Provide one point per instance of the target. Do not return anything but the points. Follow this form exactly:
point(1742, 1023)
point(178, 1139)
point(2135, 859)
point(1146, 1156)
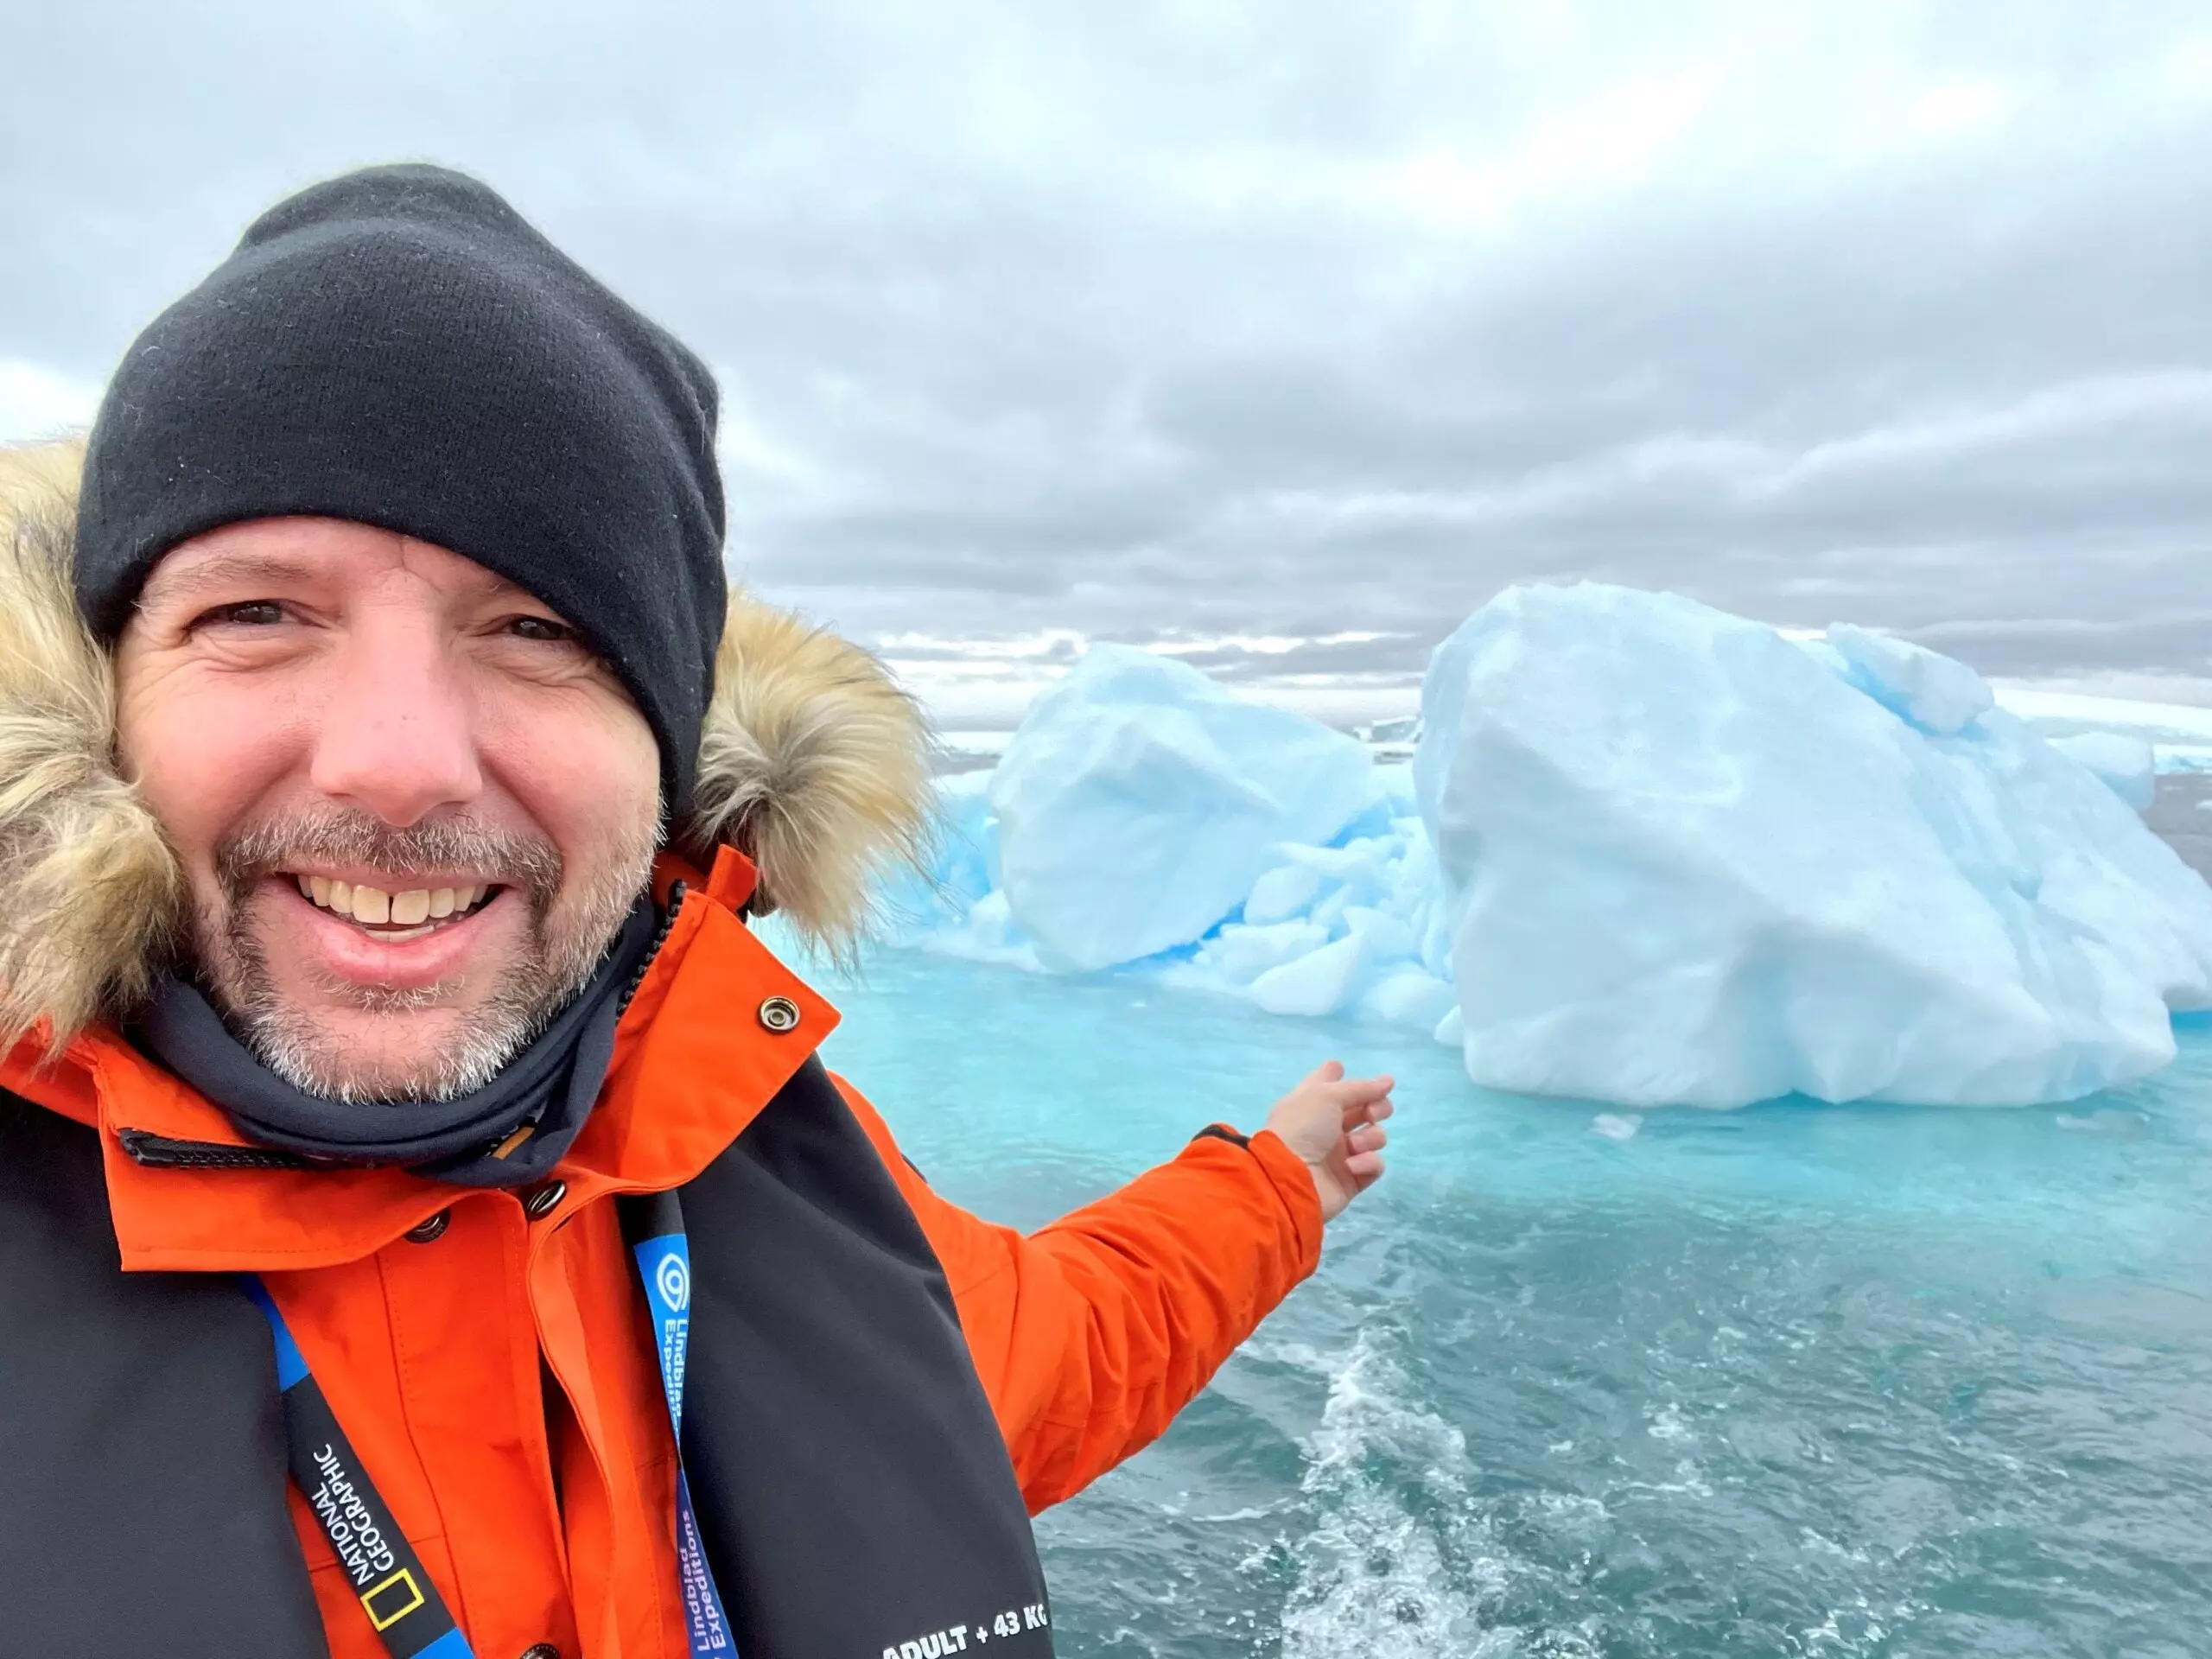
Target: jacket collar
point(695, 1062)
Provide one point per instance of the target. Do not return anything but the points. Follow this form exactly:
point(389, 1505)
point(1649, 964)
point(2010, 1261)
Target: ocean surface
point(1798, 1380)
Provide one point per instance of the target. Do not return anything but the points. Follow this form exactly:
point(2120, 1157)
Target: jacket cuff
point(1293, 1183)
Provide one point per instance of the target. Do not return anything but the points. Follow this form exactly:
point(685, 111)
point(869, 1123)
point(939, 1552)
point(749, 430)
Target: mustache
point(246, 856)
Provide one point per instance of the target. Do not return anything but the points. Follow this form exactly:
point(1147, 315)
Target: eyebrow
point(168, 583)
point(224, 570)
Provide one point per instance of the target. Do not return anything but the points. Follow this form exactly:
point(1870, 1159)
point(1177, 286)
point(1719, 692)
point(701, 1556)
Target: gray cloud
point(1160, 321)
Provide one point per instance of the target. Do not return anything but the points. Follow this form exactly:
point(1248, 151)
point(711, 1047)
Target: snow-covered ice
point(1647, 854)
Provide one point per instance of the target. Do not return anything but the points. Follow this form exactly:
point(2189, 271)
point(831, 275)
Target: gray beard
point(568, 935)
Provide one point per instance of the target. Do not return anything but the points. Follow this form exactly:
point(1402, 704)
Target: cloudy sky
point(1282, 334)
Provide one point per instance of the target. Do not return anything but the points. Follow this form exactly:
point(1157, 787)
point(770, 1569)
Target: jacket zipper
point(160, 1152)
point(676, 894)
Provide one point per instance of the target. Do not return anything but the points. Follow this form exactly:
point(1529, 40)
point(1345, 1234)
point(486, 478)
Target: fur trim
point(89, 886)
point(816, 764)
point(811, 760)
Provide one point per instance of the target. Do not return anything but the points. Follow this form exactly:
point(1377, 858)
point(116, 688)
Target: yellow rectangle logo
point(404, 1583)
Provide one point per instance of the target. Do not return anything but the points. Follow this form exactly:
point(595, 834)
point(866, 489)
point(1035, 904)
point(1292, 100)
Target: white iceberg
point(1688, 862)
point(1241, 952)
point(1319, 983)
point(1139, 803)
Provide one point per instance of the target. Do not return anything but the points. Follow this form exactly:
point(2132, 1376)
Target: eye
point(248, 613)
point(542, 629)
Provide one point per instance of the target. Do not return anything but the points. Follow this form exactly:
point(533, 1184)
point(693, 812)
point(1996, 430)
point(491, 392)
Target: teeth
point(377, 908)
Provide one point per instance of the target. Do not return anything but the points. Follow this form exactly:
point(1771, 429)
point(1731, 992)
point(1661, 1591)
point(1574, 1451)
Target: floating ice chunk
point(1282, 893)
point(1241, 954)
point(1406, 995)
point(1687, 864)
point(1139, 803)
point(1319, 983)
point(1934, 692)
point(2127, 763)
point(1616, 1126)
point(1452, 1029)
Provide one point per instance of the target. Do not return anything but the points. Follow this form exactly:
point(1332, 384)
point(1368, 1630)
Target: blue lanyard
point(653, 1224)
point(395, 1591)
point(403, 1604)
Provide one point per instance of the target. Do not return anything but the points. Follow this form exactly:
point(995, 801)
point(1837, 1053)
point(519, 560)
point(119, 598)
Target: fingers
point(1365, 1168)
point(1330, 1075)
point(1369, 1137)
point(1368, 1111)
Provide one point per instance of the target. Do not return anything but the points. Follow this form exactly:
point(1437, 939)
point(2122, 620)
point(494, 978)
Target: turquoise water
point(1793, 1381)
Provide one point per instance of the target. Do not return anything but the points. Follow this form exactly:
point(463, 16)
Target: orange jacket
point(487, 1351)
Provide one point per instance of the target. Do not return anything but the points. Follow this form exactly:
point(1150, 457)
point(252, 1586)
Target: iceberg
point(1687, 860)
point(1139, 803)
point(1646, 854)
point(2126, 763)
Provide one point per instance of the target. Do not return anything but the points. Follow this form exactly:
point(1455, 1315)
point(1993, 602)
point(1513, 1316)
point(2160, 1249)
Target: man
point(403, 1133)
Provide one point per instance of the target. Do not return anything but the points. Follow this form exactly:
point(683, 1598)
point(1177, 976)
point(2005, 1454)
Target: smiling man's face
point(413, 809)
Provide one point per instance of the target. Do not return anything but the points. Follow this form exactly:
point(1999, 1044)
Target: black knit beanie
point(399, 348)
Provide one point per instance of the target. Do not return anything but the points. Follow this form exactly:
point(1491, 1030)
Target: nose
point(396, 736)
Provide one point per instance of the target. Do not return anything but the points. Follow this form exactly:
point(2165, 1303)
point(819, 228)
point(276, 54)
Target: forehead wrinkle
point(474, 579)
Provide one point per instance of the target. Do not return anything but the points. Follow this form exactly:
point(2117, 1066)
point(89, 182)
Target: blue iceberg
point(1690, 862)
point(1140, 801)
point(1647, 854)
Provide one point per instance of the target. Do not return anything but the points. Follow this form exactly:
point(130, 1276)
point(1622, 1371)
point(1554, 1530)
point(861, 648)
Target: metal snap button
point(541, 1651)
point(779, 1014)
point(430, 1230)
point(540, 1203)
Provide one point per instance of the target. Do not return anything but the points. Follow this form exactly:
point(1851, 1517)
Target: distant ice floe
point(1647, 854)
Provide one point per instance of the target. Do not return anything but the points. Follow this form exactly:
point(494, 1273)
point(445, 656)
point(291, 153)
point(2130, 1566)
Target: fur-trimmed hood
point(811, 760)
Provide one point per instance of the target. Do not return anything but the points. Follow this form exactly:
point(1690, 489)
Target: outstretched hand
point(1335, 1124)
